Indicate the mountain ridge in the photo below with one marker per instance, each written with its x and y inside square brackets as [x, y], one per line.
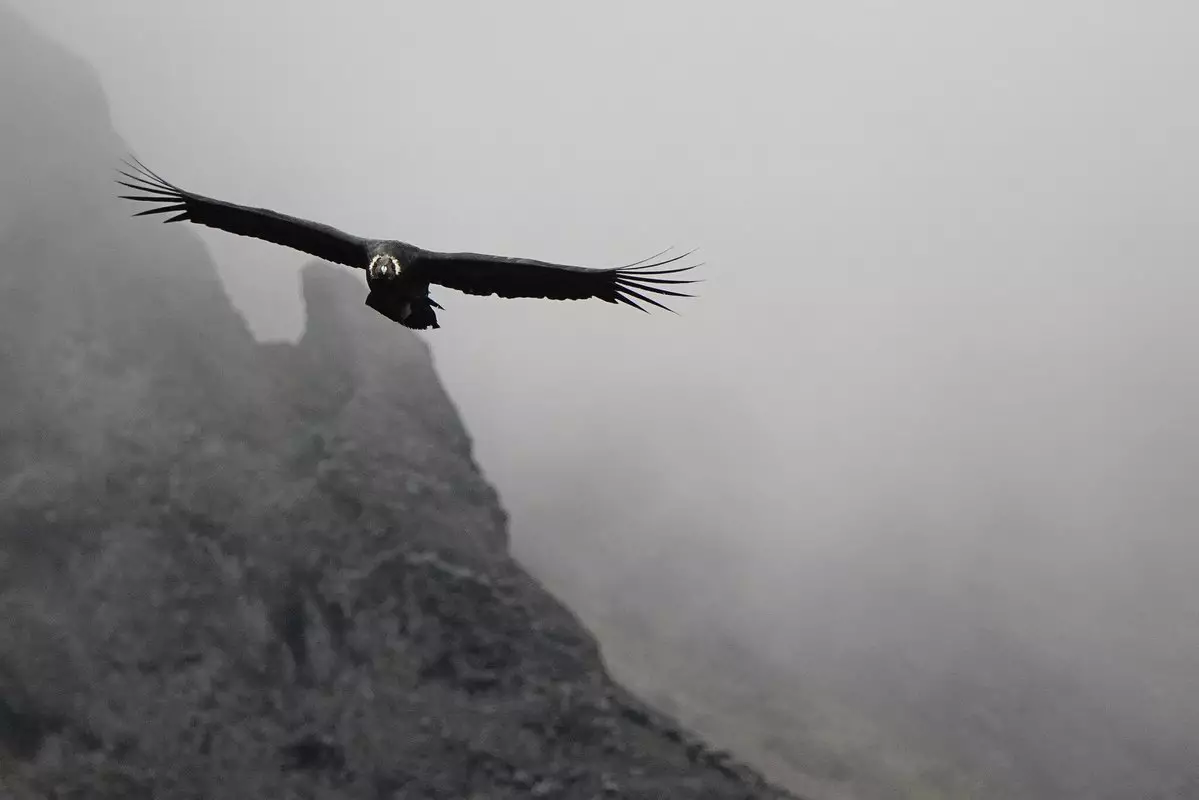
[239, 569]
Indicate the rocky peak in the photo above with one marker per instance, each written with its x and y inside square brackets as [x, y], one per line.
[232, 569]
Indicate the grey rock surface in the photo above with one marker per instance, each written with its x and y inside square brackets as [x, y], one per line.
[240, 570]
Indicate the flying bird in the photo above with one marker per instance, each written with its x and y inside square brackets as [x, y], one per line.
[399, 274]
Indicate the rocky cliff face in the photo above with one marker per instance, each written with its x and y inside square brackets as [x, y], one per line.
[232, 570]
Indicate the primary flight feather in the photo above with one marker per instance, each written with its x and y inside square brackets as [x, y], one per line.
[399, 274]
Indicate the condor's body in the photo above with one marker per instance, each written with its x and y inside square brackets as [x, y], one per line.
[399, 274]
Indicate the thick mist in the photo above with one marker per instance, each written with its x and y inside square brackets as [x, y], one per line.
[939, 387]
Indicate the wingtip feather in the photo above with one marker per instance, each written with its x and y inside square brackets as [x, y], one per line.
[644, 299]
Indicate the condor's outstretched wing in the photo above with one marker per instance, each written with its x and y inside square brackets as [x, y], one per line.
[476, 273]
[304, 235]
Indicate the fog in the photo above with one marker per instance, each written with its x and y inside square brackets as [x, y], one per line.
[941, 371]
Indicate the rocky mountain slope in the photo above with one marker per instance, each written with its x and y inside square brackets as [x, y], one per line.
[230, 569]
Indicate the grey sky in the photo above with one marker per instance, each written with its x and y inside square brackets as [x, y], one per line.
[951, 252]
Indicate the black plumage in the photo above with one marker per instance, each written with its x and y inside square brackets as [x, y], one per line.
[398, 273]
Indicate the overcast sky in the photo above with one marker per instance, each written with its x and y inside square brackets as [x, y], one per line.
[950, 248]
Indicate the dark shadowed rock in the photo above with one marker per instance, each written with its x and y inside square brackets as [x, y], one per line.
[238, 570]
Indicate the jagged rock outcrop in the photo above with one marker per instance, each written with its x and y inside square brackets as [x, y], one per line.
[236, 570]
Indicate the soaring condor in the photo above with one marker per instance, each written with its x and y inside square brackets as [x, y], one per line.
[399, 274]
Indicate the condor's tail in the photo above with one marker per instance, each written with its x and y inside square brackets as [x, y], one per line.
[411, 312]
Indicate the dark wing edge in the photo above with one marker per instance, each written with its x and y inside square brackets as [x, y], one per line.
[313, 238]
[481, 274]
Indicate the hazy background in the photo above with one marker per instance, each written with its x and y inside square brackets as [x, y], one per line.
[941, 378]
